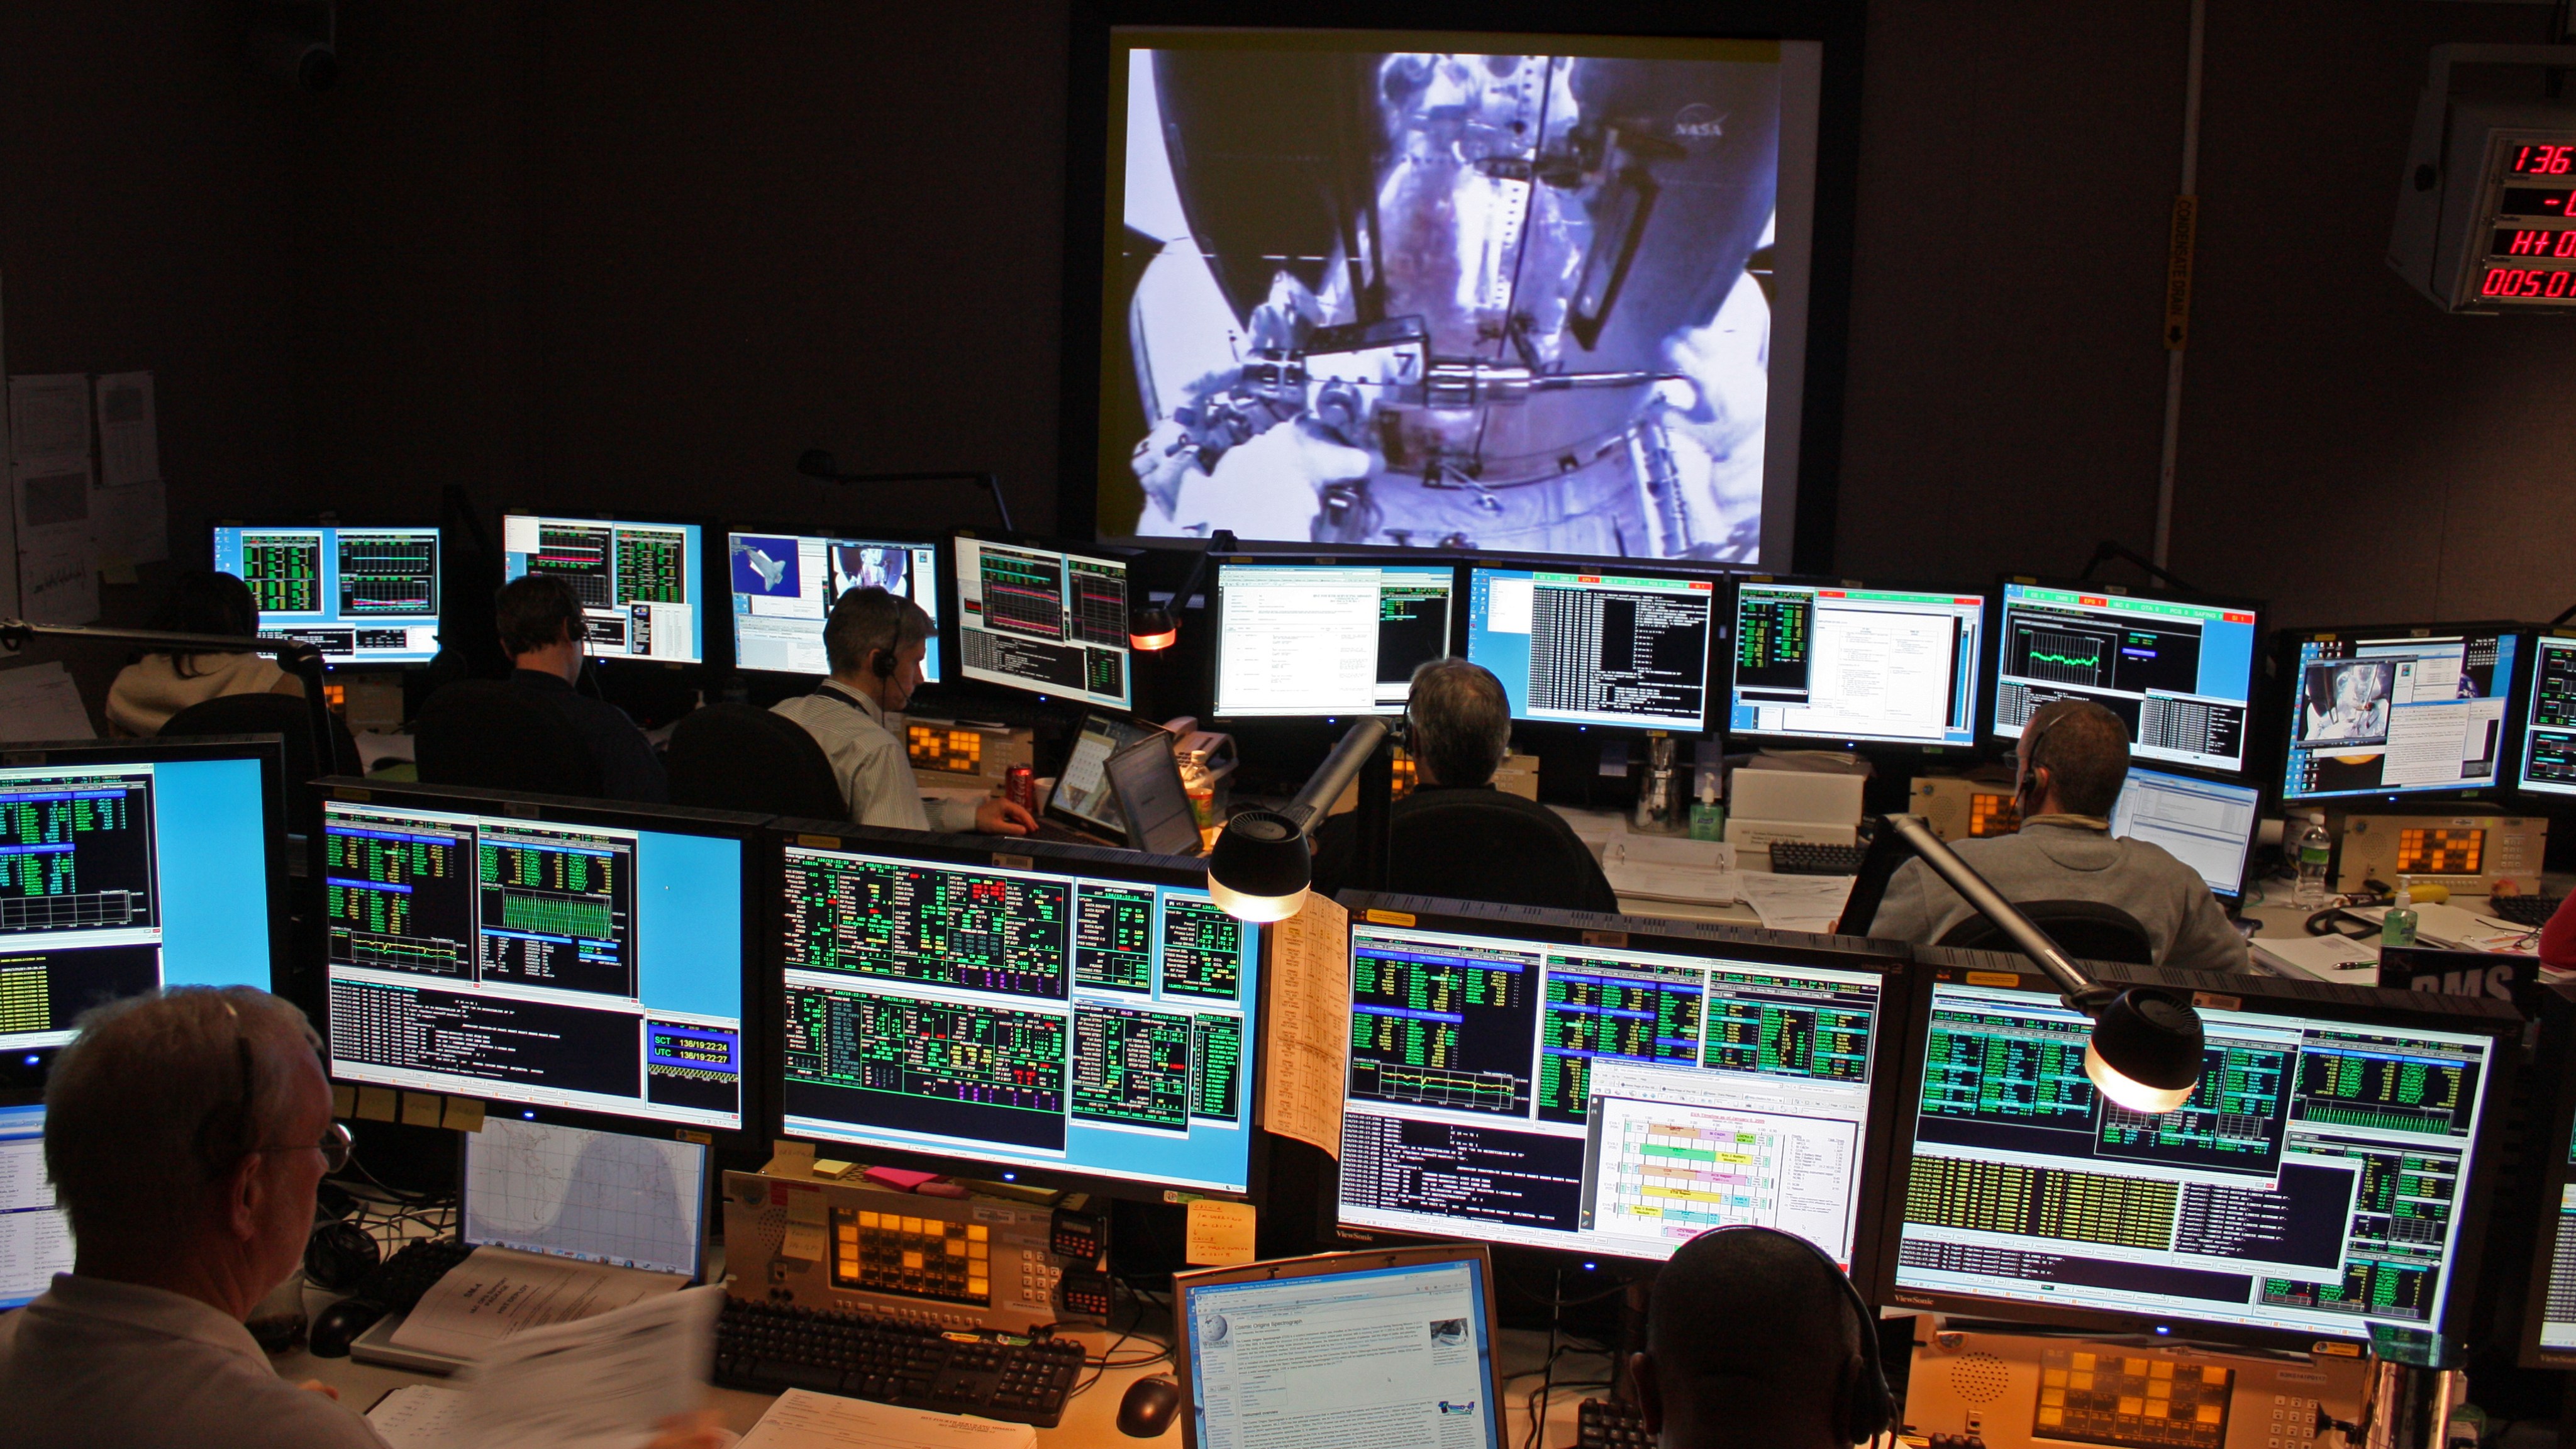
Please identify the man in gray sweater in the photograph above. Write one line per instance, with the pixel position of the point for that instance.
(2072, 760)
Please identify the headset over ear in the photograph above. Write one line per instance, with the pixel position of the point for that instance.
(1867, 1408)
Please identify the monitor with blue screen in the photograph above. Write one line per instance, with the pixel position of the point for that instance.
(35, 1235)
(1617, 648)
(363, 596)
(546, 955)
(2179, 674)
(1065, 1011)
(2208, 825)
(2401, 711)
(639, 583)
(784, 586)
(1846, 664)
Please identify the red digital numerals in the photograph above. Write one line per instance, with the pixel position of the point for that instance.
(2541, 244)
(2531, 282)
(2544, 160)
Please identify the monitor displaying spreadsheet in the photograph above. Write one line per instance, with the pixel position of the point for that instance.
(2549, 756)
(2179, 674)
(363, 596)
(2208, 825)
(2401, 711)
(640, 584)
(1620, 648)
(1306, 639)
(785, 584)
(1036, 617)
(1834, 662)
(35, 1234)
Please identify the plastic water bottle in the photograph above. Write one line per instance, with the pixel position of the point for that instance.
(2313, 850)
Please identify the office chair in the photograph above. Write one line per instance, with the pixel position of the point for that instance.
(2086, 930)
(289, 718)
(1467, 849)
(737, 757)
(483, 732)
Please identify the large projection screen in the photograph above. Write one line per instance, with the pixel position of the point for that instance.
(1457, 290)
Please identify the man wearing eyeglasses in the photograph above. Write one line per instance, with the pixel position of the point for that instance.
(185, 1133)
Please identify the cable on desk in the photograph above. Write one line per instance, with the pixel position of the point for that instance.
(1108, 1358)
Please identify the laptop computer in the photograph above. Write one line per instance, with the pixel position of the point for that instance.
(1402, 1337)
(1082, 806)
(1146, 779)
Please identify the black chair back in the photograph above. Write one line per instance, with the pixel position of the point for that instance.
(738, 757)
(287, 716)
(2085, 930)
(483, 732)
(1467, 849)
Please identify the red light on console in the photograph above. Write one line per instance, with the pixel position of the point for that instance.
(2093, 601)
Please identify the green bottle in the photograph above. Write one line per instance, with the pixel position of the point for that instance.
(2397, 928)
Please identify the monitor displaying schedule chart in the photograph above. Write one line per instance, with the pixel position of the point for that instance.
(588, 960)
(1876, 665)
(1510, 1083)
(1038, 618)
(2179, 674)
(2324, 1181)
(2549, 756)
(784, 586)
(2208, 825)
(129, 867)
(638, 583)
(1070, 1013)
(1615, 649)
(1303, 639)
(360, 595)
(2401, 711)
(591, 1196)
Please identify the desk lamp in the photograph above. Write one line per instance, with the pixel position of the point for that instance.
(1261, 865)
(1151, 627)
(2146, 1048)
(815, 463)
(302, 660)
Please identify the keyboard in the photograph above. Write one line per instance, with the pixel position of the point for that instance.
(2523, 910)
(770, 1348)
(1807, 857)
(1606, 1424)
(397, 1283)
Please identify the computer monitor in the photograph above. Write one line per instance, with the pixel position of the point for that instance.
(639, 582)
(577, 959)
(2401, 711)
(1609, 1085)
(1062, 1011)
(2545, 1297)
(2179, 673)
(1037, 617)
(1326, 638)
(2549, 754)
(129, 866)
(1083, 798)
(363, 596)
(1621, 647)
(590, 1196)
(2208, 825)
(2328, 1180)
(35, 1234)
(1146, 779)
(784, 586)
(1391, 1346)
(1840, 663)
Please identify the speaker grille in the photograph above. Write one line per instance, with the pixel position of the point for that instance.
(1979, 1378)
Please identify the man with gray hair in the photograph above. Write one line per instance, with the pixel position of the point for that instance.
(875, 642)
(185, 1133)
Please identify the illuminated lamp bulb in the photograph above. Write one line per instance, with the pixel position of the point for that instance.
(2146, 1052)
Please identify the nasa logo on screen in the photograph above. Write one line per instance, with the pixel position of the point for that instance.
(1699, 122)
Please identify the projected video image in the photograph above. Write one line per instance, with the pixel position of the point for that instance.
(1449, 297)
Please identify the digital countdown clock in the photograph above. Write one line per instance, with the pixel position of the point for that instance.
(2486, 216)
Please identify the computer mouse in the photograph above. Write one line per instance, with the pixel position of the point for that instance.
(1148, 1407)
(337, 1326)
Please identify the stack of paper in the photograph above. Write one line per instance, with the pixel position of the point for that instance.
(802, 1420)
(1796, 902)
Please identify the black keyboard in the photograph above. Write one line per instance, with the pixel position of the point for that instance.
(2523, 910)
(398, 1282)
(1607, 1424)
(770, 1348)
(1807, 857)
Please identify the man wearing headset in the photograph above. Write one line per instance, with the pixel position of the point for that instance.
(2071, 762)
(1755, 1340)
(874, 642)
(542, 627)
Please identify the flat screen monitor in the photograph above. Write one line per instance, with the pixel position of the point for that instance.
(589, 1196)
(2549, 758)
(1307, 639)
(35, 1234)
(1075, 1014)
(1617, 648)
(1512, 1082)
(576, 957)
(1032, 616)
(363, 596)
(130, 866)
(2401, 711)
(2179, 674)
(639, 583)
(2547, 1296)
(1841, 663)
(2208, 825)
(1083, 798)
(784, 586)
(2327, 1180)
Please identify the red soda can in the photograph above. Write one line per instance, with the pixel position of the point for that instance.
(1020, 787)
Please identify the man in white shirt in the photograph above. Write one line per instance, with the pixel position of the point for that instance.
(875, 643)
(185, 1133)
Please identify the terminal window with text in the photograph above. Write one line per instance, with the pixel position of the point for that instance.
(1088, 1024)
(1326, 639)
(784, 586)
(2314, 1183)
(118, 879)
(1878, 665)
(1599, 1100)
(1041, 619)
(360, 595)
(2179, 675)
(638, 582)
(2549, 760)
(1595, 649)
(35, 1233)
(2553, 1316)
(592, 968)
(2399, 714)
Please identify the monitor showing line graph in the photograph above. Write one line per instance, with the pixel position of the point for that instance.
(1033, 616)
(363, 596)
(2179, 674)
(584, 959)
(1511, 1082)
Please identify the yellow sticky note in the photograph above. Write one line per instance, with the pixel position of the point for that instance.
(804, 1242)
(805, 1207)
(420, 1109)
(344, 1100)
(1220, 1233)
(464, 1114)
(378, 1104)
